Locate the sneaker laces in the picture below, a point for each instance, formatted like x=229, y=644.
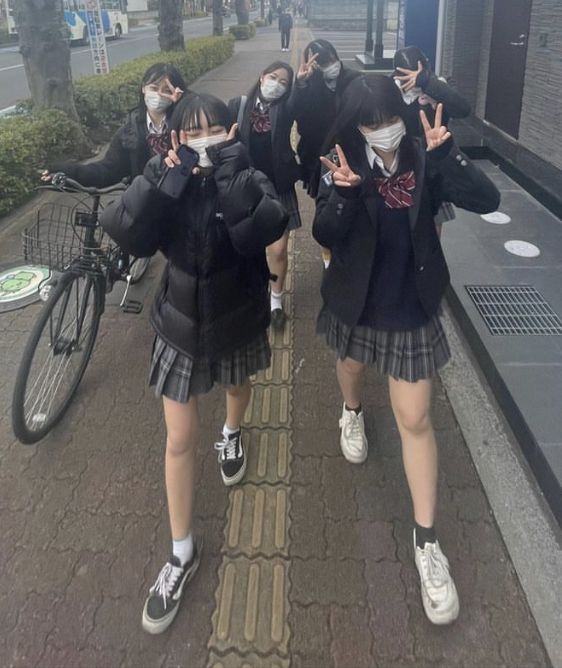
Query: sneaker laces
x=436, y=566
x=352, y=427
x=227, y=448
x=166, y=581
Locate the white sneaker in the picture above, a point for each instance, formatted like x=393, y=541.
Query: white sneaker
x=353, y=441
x=439, y=594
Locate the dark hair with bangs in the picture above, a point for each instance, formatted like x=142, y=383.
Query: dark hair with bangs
x=156, y=73
x=326, y=51
x=369, y=100
x=188, y=110
x=255, y=89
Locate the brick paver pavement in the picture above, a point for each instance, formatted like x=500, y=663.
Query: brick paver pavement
x=308, y=563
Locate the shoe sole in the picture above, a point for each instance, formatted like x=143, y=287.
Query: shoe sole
x=235, y=479
x=443, y=619
x=355, y=460
x=154, y=627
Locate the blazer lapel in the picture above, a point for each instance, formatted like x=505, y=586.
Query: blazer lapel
x=419, y=169
x=274, y=117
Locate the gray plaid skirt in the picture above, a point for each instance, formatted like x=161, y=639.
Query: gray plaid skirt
x=180, y=378
x=291, y=206
x=412, y=355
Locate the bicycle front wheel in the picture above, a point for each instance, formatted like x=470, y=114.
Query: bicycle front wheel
x=56, y=355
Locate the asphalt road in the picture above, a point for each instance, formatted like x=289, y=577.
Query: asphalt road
x=139, y=41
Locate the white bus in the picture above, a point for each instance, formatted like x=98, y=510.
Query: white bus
x=113, y=12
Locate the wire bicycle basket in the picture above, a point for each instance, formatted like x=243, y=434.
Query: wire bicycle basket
x=67, y=235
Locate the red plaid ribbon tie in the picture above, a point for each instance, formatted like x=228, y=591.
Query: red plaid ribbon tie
x=158, y=144
x=260, y=121
x=397, y=191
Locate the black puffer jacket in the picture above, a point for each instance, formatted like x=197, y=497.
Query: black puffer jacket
x=346, y=221
x=214, y=293
x=126, y=156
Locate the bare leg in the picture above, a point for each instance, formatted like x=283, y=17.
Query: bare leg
x=237, y=400
x=350, y=379
x=411, y=405
x=278, y=261
x=182, y=425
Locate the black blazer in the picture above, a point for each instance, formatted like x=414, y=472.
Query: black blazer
x=214, y=293
x=345, y=222
x=285, y=168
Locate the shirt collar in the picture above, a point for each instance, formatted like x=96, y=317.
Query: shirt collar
x=373, y=158
x=152, y=129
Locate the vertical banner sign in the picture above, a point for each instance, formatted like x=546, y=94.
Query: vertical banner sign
x=96, y=33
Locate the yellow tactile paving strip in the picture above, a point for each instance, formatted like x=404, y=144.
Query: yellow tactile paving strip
x=249, y=624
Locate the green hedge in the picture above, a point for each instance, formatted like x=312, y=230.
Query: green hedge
x=260, y=23
x=26, y=143
x=243, y=31
x=30, y=141
x=102, y=101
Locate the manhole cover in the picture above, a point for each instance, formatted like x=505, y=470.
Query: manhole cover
x=19, y=286
x=515, y=310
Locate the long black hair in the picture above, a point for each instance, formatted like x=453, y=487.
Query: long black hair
x=188, y=110
x=408, y=58
x=255, y=89
x=156, y=73
x=370, y=100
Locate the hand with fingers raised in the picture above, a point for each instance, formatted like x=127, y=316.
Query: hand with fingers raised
x=307, y=68
x=438, y=134
x=342, y=174
x=409, y=78
x=174, y=94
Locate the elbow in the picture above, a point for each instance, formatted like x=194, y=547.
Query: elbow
x=490, y=201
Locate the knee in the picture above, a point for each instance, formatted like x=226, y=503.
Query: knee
x=238, y=391
x=179, y=443
x=351, y=367
x=415, y=422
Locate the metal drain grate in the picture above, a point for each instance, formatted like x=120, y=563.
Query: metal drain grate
x=515, y=309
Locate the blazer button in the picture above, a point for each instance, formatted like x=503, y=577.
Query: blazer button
x=464, y=163
x=459, y=157
x=421, y=268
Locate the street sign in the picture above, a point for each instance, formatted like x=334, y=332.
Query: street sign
x=96, y=34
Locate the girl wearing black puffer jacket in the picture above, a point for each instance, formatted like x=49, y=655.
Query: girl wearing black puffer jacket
x=212, y=310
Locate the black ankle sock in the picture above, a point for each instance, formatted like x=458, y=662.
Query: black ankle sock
x=355, y=410
x=424, y=535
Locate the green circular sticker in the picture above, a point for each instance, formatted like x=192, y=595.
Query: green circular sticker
x=19, y=286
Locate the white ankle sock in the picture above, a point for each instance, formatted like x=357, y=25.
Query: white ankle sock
x=276, y=300
x=326, y=262
x=183, y=549
x=228, y=431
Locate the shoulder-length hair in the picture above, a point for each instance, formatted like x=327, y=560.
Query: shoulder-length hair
x=277, y=65
x=369, y=100
x=187, y=112
x=156, y=73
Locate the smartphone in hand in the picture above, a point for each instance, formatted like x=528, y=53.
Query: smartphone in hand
x=175, y=179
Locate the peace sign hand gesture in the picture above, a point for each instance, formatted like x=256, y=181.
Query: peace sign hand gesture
x=307, y=67
x=438, y=134
x=342, y=174
x=174, y=94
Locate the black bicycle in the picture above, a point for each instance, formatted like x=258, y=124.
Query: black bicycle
x=86, y=264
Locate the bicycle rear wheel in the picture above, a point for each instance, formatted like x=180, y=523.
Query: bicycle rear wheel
x=56, y=355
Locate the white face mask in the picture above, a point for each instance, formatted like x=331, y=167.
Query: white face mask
x=271, y=89
x=332, y=71
x=155, y=102
x=411, y=95
x=386, y=139
x=201, y=145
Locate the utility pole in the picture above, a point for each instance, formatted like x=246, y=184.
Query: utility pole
x=369, y=38
x=379, y=47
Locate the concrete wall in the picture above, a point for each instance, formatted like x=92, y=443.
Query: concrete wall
x=466, y=54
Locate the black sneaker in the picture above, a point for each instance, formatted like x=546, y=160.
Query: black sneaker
x=164, y=597
x=278, y=319
x=232, y=458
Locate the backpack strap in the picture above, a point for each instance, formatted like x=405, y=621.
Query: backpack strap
x=241, y=110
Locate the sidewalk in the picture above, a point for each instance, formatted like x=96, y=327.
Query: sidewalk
x=309, y=563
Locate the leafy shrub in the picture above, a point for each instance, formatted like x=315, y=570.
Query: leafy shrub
x=243, y=31
x=26, y=143
x=260, y=23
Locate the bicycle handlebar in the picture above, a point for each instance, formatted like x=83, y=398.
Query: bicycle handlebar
x=61, y=182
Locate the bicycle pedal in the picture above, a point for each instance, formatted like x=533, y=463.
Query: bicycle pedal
x=132, y=306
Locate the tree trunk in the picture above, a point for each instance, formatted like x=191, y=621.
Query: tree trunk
x=46, y=54
x=262, y=9
x=170, y=29
x=243, y=12
x=218, y=26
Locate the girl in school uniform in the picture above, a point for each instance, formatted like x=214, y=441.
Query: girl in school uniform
x=212, y=310
x=265, y=118
x=383, y=288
